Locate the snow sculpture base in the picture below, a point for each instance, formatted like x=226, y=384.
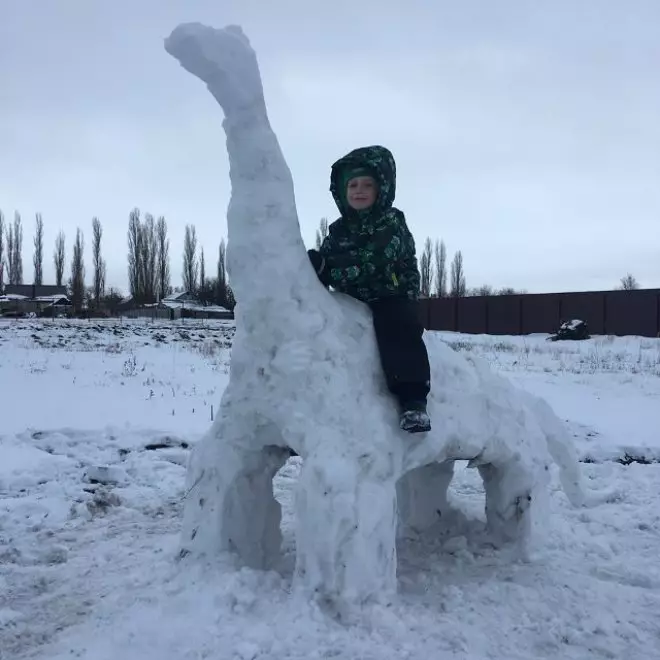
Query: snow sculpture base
x=305, y=374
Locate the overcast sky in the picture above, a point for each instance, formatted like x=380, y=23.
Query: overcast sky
x=526, y=134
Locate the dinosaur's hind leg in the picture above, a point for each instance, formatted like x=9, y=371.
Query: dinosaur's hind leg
x=511, y=500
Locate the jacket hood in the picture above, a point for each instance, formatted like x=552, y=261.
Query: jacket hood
x=380, y=162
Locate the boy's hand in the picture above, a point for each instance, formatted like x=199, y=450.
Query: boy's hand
x=318, y=262
x=319, y=265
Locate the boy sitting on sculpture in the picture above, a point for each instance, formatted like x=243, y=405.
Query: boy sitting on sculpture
x=369, y=254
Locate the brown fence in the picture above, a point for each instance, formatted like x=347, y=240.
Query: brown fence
x=606, y=312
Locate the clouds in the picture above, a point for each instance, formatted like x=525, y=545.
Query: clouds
x=524, y=134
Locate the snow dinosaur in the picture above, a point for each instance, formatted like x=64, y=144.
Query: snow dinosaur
x=305, y=376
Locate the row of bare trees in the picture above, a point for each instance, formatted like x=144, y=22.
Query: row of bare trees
x=95, y=295
x=11, y=259
x=215, y=289
x=148, y=257
x=433, y=272
x=149, y=264
x=435, y=283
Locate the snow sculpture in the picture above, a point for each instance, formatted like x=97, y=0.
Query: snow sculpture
x=305, y=375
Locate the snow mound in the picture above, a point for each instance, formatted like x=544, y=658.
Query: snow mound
x=305, y=375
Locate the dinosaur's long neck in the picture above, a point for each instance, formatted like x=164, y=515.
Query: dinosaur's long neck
x=265, y=248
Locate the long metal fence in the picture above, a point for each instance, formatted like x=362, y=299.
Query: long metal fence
x=607, y=313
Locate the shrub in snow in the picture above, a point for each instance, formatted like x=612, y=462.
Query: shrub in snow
x=102, y=499
x=130, y=367
x=305, y=374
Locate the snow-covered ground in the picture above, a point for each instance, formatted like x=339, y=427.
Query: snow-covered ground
x=96, y=422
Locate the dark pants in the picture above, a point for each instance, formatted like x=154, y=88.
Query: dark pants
x=402, y=349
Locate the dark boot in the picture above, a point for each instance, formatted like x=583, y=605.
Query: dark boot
x=414, y=417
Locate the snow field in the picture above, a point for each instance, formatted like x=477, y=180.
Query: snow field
x=601, y=354
x=96, y=424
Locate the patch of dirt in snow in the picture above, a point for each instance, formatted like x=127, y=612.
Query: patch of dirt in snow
x=117, y=335
x=592, y=449
x=122, y=373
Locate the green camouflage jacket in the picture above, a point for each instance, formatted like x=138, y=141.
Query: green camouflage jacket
x=370, y=254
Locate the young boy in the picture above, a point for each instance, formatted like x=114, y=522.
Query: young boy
x=369, y=254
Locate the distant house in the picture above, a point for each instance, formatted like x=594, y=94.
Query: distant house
x=175, y=306
x=185, y=304
x=180, y=298
x=45, y=299
x=52, y=305
x=126, y=303
x=33, y=291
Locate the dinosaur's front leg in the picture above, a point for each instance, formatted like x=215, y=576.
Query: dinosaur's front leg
x=346, y=530
x=230, y=504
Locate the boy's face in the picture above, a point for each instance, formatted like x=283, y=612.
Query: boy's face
x=361, y=192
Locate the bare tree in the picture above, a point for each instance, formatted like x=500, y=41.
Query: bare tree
x=190, y=264
x=207, y=286
x=77, y=283
x=425, y=270
x=488, y=290
x=2, y=250
x=10, y=254
x=202, y=270
x=146, y=272
x=162, y=259
x=321, y=232
x=483, y=290
x=147, y=259
x=221, y=279
x=440, y=252
x=99, y=263
x=231, y=300
x=457, y=277
x=152, y=273
x=18, y=248
x=15, y=250
x=38, y=257
x=629, y=283
x=134, y=254
x=59, y=258
x=112, y=300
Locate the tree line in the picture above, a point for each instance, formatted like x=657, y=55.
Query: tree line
x=437, y=282
x=148, y=262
